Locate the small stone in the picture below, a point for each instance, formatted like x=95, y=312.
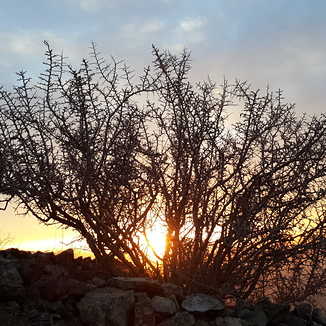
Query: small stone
x=144, y=313
x=258, y=319
x=318, y=316
x=172, y=289
x=201, y=303
x=65, y=257
x=295, y=321
x=245, y=313
x=303, y=310
x=163, y=305
x=179, y=319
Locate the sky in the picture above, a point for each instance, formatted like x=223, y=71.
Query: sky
x=280, y=44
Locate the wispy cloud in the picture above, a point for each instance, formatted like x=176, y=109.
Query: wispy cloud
x=191, y=24
x=89, y=5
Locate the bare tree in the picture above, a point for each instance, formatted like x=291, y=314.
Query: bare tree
x=72, y=152
x=241, y=201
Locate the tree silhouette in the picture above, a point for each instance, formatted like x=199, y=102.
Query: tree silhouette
x=242, y=200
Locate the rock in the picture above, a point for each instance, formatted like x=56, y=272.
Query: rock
x=11, y=283
x=318, y=316
x=106, y=306
x=99, y=282
x=65, y=257
x=172, y=289
x=292, y=320
x=36, y=291
x=138, y=284
x=46, y=256
x=245, y=313
x=59, y=287
x=179, y=319
x=275, y=313
x=31, y=270
x=201, y=303
x=53, y=287
x=242, y=304
x=201, y=322
x=144, y=313
x=55, y=270
x=11, y=315
x=228, y=321
x=139, y=296
x=258, y=319
x=304, y=310
x=163, y=305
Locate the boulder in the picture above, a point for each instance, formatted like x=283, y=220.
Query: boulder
x=292, y=320
x=163, y=305
x=31, y=270
x=179, y=319
x=257, y=319
x=107, y=306
x=242, y=304
x=201, y=303
x=172, y=289
x=65, y=257
x=228, y=321
x=137, y=284
x=318, y=316
x=246, y=313
x=11, y=283
x=144, y=313
x=276, y=313
x=201, y=322
x=304, y=310
x=61, y=286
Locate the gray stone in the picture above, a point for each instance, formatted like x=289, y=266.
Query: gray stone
x=228, y=321
x=245, y=313
x=55, y=270
x=61, y=286
x=275, y=313
x=163, y=305
x=242, y=304
x=144, y=313
x=318, y=316
x=201, y=303
x=31, y=270
x=99, y=282
x=315, y=324
x=11, y=283
x=304, y=310
x=53, y=287
x=179, y=319
x=201, y=322
x=292, y=320
x=138, y=284
x=139, y=296
x=174, y=299
x=172, y=289
x=107, y=306
x=65, y=257
x=258, y=319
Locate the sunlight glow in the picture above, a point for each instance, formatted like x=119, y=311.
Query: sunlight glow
x=155, y=242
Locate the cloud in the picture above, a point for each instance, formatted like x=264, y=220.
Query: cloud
x=19, y=42
x=190, y=25
x=89, y=5
x=152, y=26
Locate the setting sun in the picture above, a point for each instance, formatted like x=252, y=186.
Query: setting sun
x=155, y=242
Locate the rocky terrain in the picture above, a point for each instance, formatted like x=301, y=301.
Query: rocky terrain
x=48, y=289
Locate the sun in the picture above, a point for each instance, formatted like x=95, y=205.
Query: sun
x=154, y=241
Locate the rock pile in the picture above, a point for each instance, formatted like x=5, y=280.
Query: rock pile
x=48, y=289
